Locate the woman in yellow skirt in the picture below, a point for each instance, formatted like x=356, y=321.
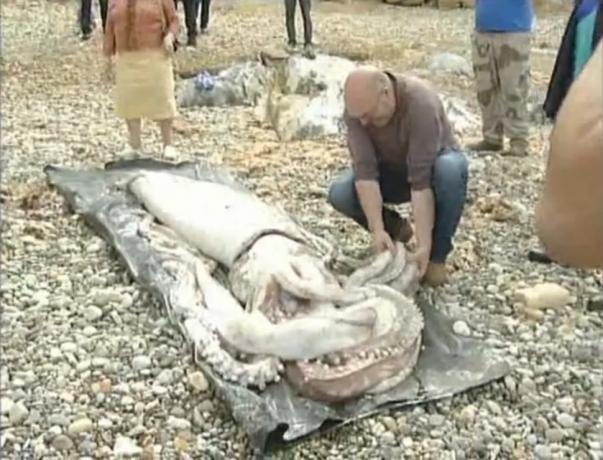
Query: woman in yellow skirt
x=140, y=38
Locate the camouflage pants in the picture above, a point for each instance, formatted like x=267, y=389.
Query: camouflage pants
x=501, y=62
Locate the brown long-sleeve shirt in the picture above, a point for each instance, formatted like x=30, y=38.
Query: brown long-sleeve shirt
x=147, y=26
x=417, y=133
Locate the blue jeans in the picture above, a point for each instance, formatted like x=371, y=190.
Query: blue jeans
x=449, y=184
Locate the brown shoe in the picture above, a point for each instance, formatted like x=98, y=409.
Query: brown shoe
x=436, y=274
x=485, y=146
x=517, y=148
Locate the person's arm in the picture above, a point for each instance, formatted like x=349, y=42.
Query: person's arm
x=171, y=17
x=109, y=36
x=371, y=201
x=422, y=153
x=423, y=209
x=364, y=162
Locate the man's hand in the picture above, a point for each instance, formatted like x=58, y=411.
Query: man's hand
x=168, y=43
x=382, y=241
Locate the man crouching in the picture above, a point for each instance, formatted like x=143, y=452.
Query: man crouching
x=402, y=149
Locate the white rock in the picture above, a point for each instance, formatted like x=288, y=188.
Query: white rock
x=55, y=354
x=82, y=425
x=177, y=423
x=102, y=297
x=451, y=63
x=105, y=423
x=165, y=377
x=18, y=413
x=543, y=295
x=461, y=328
x=68, y=347
x=93, y=313
x=198, y=381
x=5, y=405
x=126, y=447
x=141, y=362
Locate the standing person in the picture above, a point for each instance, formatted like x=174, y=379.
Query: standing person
x=582, y=34
x=501, y=61
x=191, y=15
x=402, y=149
x=305, y=6
x=205, y=6
x=140, y=34
x=86, y=23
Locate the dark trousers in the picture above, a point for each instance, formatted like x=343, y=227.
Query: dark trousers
x=305, y=6
x=191, y=13
x=86, y=15
x=449, y=184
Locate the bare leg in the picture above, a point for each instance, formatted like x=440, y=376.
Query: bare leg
x=134, y=133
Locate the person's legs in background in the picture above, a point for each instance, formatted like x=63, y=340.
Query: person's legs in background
x=205, y=7
x=191, y=12
x=487, y=86
x=514, y=69
x=104, y=8
x=290, y=6
x=306, y=6
x=86, y=24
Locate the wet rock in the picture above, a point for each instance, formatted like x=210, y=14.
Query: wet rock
x=461, y=328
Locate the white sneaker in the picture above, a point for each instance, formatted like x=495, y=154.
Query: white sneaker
x=170, y=152
x=128, y=153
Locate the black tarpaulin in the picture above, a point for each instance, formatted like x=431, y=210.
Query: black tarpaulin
x=448, y=364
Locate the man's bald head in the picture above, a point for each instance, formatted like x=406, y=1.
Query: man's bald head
x=363, y=93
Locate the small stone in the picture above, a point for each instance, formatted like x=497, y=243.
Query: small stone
x=82, y=425
x=165, y=377
x=5, y=405
x=68, y=347
x=93, y=313
x=177, y=423
x=62, y=442
x=554, y=435
x=390, y=424
x=388, y=438
x=595, y=304
x=436, y=419
x=103, y=297
x=141, y=362
x=105, y=423
x=198, y=381
x=542, y=452
x=566, y=420
x=467, y=415
x=18, y=413
x=461, y=328
x=493, y=407
x=55, y=354
x=125, y=447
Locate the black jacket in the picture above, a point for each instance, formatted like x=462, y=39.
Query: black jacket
x=563, y=71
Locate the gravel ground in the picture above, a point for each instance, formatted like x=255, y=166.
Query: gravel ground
x=90, y=368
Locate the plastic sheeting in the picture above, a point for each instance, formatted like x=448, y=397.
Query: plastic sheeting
x=448, y=364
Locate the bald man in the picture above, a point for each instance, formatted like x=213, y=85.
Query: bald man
x=402, y=149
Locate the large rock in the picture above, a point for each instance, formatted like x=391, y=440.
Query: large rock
x=299, y=97
x=306, y=97
x=450, y=63
x=242, y=84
